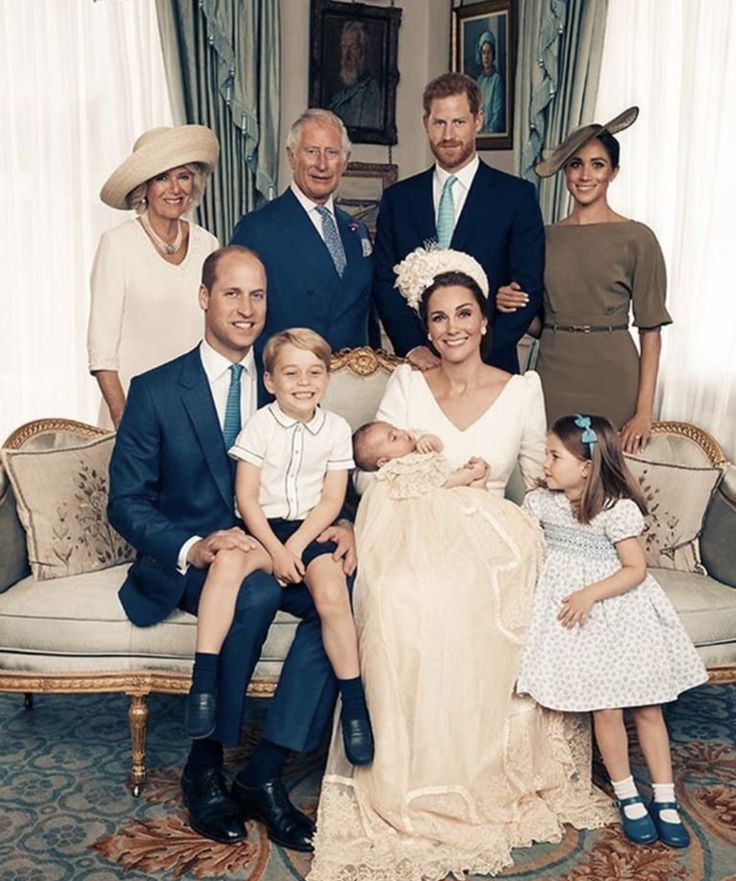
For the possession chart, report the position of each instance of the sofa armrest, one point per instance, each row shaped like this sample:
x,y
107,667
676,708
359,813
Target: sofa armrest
x,y
13,553
717,546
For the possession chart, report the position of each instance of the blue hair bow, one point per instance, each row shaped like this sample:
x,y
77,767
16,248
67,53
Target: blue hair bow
x,y
587,436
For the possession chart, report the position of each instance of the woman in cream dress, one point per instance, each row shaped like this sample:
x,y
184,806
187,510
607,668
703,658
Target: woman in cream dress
x,y
463,770
145,279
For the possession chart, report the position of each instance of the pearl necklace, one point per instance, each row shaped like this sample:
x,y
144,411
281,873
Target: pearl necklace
x,y
167,248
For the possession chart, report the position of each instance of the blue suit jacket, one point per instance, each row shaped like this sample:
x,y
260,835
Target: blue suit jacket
x,y
304,289
500,225
170,479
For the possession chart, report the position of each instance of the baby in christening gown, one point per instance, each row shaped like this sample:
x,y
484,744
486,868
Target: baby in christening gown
x,y
464,770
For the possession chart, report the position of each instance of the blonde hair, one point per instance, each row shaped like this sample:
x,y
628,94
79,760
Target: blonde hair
x,y
136,198
609,479
302,338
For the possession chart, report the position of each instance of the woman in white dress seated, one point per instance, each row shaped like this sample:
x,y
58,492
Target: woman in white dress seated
x,y
145,279
464,770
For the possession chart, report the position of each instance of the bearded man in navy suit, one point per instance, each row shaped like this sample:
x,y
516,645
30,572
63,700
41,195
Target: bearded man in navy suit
x,y
317,257
491,215
172,498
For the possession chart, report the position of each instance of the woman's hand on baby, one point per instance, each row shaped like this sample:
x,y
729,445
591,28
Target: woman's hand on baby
x,y
287,566
429,443
479,469
576,607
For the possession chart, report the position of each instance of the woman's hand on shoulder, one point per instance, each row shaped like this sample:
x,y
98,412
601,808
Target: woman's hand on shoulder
x,y
422,358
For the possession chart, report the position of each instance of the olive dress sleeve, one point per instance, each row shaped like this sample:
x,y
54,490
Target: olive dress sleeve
x,y
649,281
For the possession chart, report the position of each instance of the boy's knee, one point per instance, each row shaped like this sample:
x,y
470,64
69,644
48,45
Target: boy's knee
x,y
331,599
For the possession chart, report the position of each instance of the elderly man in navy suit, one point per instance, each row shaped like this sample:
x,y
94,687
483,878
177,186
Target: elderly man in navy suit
x,y
466,205
172,497
317,257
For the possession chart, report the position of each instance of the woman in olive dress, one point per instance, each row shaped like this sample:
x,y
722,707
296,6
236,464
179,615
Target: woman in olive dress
x,y
598,266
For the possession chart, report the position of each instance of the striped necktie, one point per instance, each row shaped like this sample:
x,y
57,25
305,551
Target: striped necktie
x,y
231,424
446,214
332,239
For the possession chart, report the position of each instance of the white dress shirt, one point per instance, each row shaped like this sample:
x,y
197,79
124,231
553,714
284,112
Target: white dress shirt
x,y
293,457
311,208
460,189
217,370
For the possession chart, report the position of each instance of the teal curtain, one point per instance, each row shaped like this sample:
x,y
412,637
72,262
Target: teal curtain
x,y
560,51
222,68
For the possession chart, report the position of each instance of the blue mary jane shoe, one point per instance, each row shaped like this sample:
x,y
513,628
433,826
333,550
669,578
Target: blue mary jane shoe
x,y
642,830
671,834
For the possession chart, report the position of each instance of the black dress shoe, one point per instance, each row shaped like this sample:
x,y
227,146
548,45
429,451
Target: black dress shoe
x,y
212,811
200,714
357,738
270,804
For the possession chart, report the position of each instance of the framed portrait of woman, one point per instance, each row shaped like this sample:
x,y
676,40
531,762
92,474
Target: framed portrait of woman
x,y
484,47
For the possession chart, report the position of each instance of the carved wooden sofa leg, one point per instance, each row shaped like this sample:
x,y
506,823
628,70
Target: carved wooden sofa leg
x,y
138,721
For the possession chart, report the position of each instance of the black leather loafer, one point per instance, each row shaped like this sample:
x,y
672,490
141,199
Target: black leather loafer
x,y
212,811
200,714
357,737
270,805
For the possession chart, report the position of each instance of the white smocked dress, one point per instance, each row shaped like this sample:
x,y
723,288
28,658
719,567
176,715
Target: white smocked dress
x,y
632,650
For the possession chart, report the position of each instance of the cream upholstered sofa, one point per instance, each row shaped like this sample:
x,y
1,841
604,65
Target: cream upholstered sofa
x,y
69,633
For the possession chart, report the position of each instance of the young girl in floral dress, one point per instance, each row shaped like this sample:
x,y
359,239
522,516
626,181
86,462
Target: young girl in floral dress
x,y
603,635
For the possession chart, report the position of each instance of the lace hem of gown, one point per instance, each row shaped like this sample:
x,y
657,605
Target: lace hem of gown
x,y
354,843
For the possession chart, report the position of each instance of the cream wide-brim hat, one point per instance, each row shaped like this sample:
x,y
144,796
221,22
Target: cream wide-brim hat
x,y
156,151
556,158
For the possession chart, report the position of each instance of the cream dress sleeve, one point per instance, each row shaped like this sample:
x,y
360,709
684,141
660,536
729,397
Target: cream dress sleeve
x,y
107,304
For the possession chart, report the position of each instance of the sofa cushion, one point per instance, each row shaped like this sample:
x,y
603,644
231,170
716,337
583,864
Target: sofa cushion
x,y
707,610
76,624
677,497
61,496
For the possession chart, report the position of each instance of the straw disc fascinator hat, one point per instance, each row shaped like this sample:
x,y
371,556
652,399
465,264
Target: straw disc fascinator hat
x,y
556,158
156,151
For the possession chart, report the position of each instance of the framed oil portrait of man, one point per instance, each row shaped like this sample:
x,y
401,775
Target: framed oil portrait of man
x,y
353,67
484,47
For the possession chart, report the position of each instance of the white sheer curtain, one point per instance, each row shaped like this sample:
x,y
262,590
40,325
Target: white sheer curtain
x,y
676,59
79,81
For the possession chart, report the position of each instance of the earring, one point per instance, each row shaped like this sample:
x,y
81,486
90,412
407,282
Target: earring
x,y
483,331
429,337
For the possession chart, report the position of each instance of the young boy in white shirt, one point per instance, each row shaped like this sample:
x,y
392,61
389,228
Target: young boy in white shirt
x,y
293,465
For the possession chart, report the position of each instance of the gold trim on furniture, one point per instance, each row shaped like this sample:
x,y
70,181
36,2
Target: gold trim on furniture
x,y
709,445
365,361
51,426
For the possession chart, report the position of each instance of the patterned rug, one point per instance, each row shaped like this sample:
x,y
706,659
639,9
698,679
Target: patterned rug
x,y
66,815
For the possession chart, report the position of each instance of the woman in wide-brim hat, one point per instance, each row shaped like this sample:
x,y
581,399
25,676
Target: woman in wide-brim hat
x,y
599,266
145,279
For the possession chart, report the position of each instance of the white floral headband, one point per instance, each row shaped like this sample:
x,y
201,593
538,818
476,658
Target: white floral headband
x,y
418,270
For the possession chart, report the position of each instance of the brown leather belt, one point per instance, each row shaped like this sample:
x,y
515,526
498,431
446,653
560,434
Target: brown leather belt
x,y
586,328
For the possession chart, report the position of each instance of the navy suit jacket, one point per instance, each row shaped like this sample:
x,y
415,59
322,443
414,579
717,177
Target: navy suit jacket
x,y
170,479
304,289
500,225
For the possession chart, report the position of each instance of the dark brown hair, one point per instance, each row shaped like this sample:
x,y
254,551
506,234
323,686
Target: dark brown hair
x,y
609,479
209,267
452,84
363,447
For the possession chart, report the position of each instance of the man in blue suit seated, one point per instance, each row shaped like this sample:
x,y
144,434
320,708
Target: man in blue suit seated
x,y
464,204
172,497
317,258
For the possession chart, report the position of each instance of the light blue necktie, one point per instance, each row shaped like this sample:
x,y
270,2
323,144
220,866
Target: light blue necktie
x,y
446,214
231,424
332,239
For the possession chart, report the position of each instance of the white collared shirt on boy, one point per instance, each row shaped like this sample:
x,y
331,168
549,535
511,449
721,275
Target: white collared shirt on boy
x,y
293,457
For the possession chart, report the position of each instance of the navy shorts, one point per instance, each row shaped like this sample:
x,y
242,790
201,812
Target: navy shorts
x,y
284,529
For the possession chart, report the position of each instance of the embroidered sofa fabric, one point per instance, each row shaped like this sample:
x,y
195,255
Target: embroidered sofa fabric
x,y
672,530
61,495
